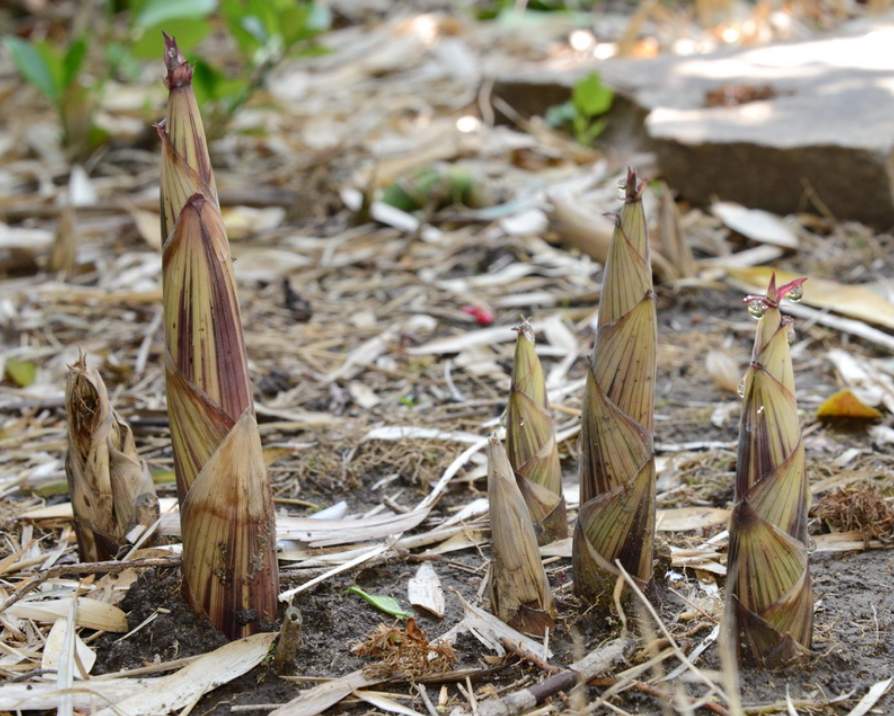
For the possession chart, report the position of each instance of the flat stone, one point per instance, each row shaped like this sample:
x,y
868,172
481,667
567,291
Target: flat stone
x,y
823,140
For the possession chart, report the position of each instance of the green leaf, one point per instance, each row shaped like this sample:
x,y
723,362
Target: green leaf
x,y
591,97
188,32
304,21
21,372
253,23
205,80
35,68
156,12
72,61
386,604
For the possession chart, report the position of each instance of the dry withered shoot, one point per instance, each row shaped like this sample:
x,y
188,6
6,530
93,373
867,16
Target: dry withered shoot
x,y
531,442
767,569
405,652
519,591
226,506
616,520
111,489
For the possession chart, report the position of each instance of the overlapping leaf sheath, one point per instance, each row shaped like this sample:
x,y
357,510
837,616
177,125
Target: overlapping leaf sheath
x,y
531,442
767,568
519,591
226,507
111,489
616,519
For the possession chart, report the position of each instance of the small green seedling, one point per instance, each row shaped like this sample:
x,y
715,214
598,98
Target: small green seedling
x,y
584,113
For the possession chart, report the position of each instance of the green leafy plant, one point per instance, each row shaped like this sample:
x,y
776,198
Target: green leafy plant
x,y
55,70
585,112
187,19
434,187
497,8
265,32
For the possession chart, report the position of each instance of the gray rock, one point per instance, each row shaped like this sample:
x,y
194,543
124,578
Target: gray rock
x,y
824,141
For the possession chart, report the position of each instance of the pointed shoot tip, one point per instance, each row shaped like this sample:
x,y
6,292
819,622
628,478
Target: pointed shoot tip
x,y
633,187
178,73
525,329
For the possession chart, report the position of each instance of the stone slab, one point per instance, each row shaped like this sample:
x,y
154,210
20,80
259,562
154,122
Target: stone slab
x,y
825,140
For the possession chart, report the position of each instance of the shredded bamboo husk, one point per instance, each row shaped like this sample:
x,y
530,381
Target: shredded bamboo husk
x,y
111,489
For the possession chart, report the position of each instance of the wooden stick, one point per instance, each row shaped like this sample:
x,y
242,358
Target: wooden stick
x,y
525,699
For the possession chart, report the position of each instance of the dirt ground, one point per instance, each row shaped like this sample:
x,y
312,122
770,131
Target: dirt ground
x,y
854,637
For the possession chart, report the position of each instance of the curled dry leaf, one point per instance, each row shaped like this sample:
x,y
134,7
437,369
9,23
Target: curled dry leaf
x,y
724,371
425,592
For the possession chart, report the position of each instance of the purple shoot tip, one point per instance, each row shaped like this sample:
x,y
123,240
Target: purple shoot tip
x,y
178,73
758,304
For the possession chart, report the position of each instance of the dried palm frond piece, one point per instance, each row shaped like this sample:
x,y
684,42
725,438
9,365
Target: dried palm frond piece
x,y
519,591
531,442
769,579
861,508
226,506
111,489
404,652
616,519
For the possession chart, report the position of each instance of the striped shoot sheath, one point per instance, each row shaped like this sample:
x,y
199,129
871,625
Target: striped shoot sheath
x,y
111,489
519,590
226,505
531,442
768,575
616,518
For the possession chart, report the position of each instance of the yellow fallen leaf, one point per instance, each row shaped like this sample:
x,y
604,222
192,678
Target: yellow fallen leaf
x,y
148,225
844,404
21,372
244,221
851,300
682,519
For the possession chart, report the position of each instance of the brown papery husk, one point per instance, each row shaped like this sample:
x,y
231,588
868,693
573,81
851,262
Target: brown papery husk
x,y
230,567
519,590
111,489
